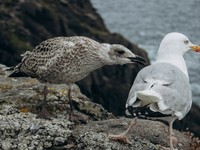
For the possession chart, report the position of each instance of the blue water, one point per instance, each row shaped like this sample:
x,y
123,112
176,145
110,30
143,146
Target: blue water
x,y
146,22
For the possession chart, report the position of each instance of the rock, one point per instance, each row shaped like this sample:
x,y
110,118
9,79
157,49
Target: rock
x,y
20,129
16,132
145,135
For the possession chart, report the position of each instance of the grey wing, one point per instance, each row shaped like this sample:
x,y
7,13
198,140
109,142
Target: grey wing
x,y
144,81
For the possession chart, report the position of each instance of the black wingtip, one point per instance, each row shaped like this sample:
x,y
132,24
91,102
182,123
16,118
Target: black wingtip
x,y
144,112
18,74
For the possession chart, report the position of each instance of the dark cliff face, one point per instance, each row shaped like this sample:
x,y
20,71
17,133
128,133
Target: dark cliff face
x,y
25,23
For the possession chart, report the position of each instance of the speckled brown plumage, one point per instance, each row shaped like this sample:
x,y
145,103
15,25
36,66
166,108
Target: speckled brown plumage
x,y
69,59
65,60
61,59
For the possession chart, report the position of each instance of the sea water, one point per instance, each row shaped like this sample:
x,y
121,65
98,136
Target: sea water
x,y
145,22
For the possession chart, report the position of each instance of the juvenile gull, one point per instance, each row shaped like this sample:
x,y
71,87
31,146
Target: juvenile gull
x,y
162,91
65,60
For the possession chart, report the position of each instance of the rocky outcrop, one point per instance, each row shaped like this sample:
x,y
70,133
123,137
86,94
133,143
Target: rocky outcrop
x,y
20,128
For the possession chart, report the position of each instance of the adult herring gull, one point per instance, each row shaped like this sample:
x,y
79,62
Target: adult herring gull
x,y
65,60
162,91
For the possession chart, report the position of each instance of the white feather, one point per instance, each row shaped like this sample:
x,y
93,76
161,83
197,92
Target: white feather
x,y
148,96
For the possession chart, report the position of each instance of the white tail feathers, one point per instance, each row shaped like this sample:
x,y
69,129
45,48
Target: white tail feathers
x,y
148,96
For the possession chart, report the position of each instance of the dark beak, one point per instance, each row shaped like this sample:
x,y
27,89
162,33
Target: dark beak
x,y
138,59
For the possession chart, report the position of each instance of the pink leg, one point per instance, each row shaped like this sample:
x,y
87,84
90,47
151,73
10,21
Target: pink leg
x,y
171,138
70,104
122,137
44,113
72,116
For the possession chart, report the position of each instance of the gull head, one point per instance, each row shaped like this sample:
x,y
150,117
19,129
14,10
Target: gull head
x,y
119,54
177,43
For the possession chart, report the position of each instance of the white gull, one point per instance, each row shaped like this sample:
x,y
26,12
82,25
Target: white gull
x,y
162,91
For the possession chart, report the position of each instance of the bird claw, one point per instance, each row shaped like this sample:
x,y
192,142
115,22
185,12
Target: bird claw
x,y
120,137
44,114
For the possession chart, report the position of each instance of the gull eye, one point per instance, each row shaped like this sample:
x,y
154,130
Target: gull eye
x,y
186,41
120,52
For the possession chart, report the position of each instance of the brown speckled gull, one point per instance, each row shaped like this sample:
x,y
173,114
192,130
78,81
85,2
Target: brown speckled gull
x,y
65,60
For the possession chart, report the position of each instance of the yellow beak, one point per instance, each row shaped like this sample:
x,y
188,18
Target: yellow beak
x,y
195,48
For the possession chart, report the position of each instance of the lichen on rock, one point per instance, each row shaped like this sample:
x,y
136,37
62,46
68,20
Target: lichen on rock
x,y
20,129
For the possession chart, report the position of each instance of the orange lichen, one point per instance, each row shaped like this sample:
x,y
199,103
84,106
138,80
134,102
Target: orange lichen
x,y
24,110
